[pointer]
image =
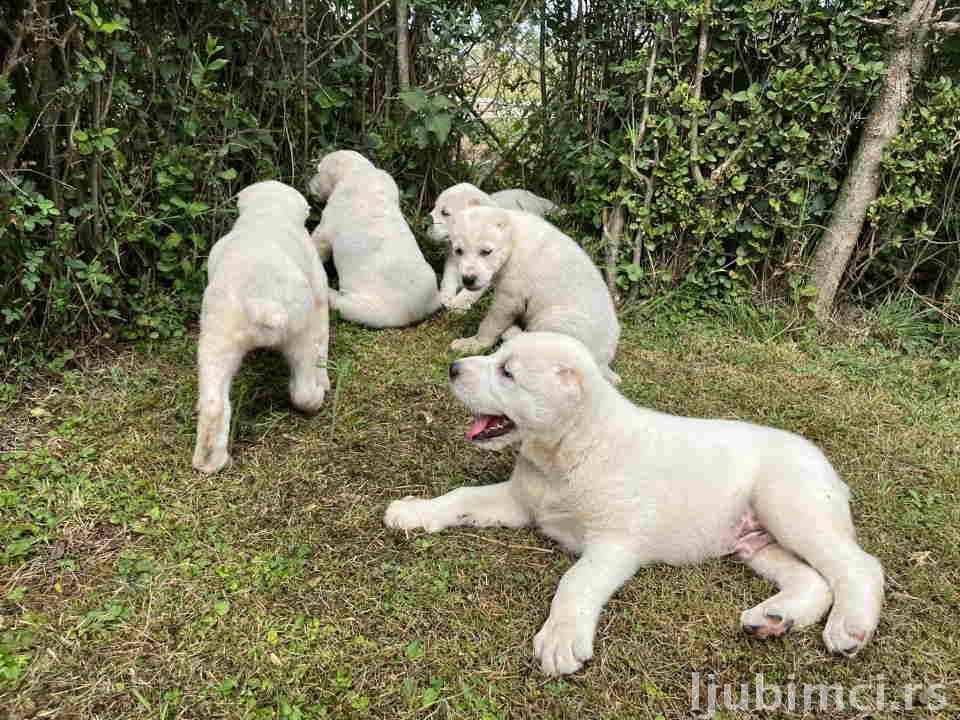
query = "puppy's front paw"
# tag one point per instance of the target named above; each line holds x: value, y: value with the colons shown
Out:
x: 459, y: 303
x: 467, y: 346
x: 563, y: 645
x: 413, y: 513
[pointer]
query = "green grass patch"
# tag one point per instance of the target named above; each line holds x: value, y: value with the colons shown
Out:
x: 131, y: 587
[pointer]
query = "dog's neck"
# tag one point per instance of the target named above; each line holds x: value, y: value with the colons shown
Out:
x: 559, y: 453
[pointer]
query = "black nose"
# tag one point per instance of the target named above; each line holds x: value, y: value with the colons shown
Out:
x: 469, y: 281
x: 454, y: 370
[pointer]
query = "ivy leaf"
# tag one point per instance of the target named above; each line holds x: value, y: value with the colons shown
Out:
x: 440, y: 125
x: 415, y: 99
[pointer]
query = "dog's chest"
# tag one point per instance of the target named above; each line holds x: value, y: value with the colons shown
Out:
x: 556, y: 511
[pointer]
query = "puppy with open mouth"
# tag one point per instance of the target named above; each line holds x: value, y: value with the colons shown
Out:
x: 623, y: 486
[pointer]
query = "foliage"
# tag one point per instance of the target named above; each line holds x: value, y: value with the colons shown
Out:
x: 125, y: 131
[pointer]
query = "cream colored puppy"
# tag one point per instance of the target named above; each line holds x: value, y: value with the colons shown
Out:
x: 456, y: 199
x: 266, y: 287
x: 623, y: 487
x: 518, y: 199
x: 542, y: 278
x: 384, y: 279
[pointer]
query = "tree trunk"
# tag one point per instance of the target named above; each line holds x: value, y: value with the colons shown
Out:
x: 613, y: 222
x: 403, y: 44
x: 908, y: 56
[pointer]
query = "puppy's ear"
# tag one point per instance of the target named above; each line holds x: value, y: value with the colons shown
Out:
x: 571, y: 380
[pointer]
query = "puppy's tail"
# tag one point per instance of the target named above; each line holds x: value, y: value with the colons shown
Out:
x: 269, y: 317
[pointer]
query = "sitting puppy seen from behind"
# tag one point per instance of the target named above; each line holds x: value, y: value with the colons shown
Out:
x: 266, y: 288
x: 456, y: 199
x: 623, y: 487
x: 542, y: 278
x: 384, y: 279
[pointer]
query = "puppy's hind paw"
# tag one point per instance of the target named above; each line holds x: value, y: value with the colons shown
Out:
x: 764, y: 623
x: 846, y: 636
x: 208, y: 464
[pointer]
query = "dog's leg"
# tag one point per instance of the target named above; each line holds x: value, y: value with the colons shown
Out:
x: 504, y: 309
x: 565, y: 641
x: 812, y: 520
x: 449, y: 284
x: 367, y: 310
x: 449, y: 297
x: 306, y: 354
x: 482, y: 506
x: 217, y: 366
x: 803, y: 599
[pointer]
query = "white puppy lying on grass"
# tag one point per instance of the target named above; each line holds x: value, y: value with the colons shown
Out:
x: 266, y: 287
x: 542, y: 278
x: 384, y: 279
x: 456, y: 199
x: 624, y: 487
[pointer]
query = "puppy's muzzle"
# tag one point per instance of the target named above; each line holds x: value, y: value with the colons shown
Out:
x: 469, y: 282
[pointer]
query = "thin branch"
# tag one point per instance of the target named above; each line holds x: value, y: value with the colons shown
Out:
x: 946, y: 27
x: 702, y: 45
x: 345, y: 35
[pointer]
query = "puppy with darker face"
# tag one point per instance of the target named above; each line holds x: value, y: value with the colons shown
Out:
x: 456, y: 199
x: 622, y: 487
x: 544, y: 282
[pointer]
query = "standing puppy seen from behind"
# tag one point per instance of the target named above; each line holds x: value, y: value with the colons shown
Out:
x: 622, y: 487
x: 266, y: 288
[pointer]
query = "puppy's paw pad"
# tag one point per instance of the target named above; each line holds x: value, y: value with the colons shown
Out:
x: 765, y: 623
x: 846, y: 636
x: 563, y: 646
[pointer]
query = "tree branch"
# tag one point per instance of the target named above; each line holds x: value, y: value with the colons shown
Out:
x: 946, y: 27
x: 702, y: 45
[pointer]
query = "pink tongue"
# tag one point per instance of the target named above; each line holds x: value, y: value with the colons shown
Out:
x: 479, y: 425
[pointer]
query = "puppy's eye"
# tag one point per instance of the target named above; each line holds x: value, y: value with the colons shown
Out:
x: 458, y: 251
x: 445, y: 212
x: 506, y: 373
x: 486, y: 251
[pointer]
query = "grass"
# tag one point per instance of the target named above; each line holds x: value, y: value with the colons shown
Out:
x: 131, y: 587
